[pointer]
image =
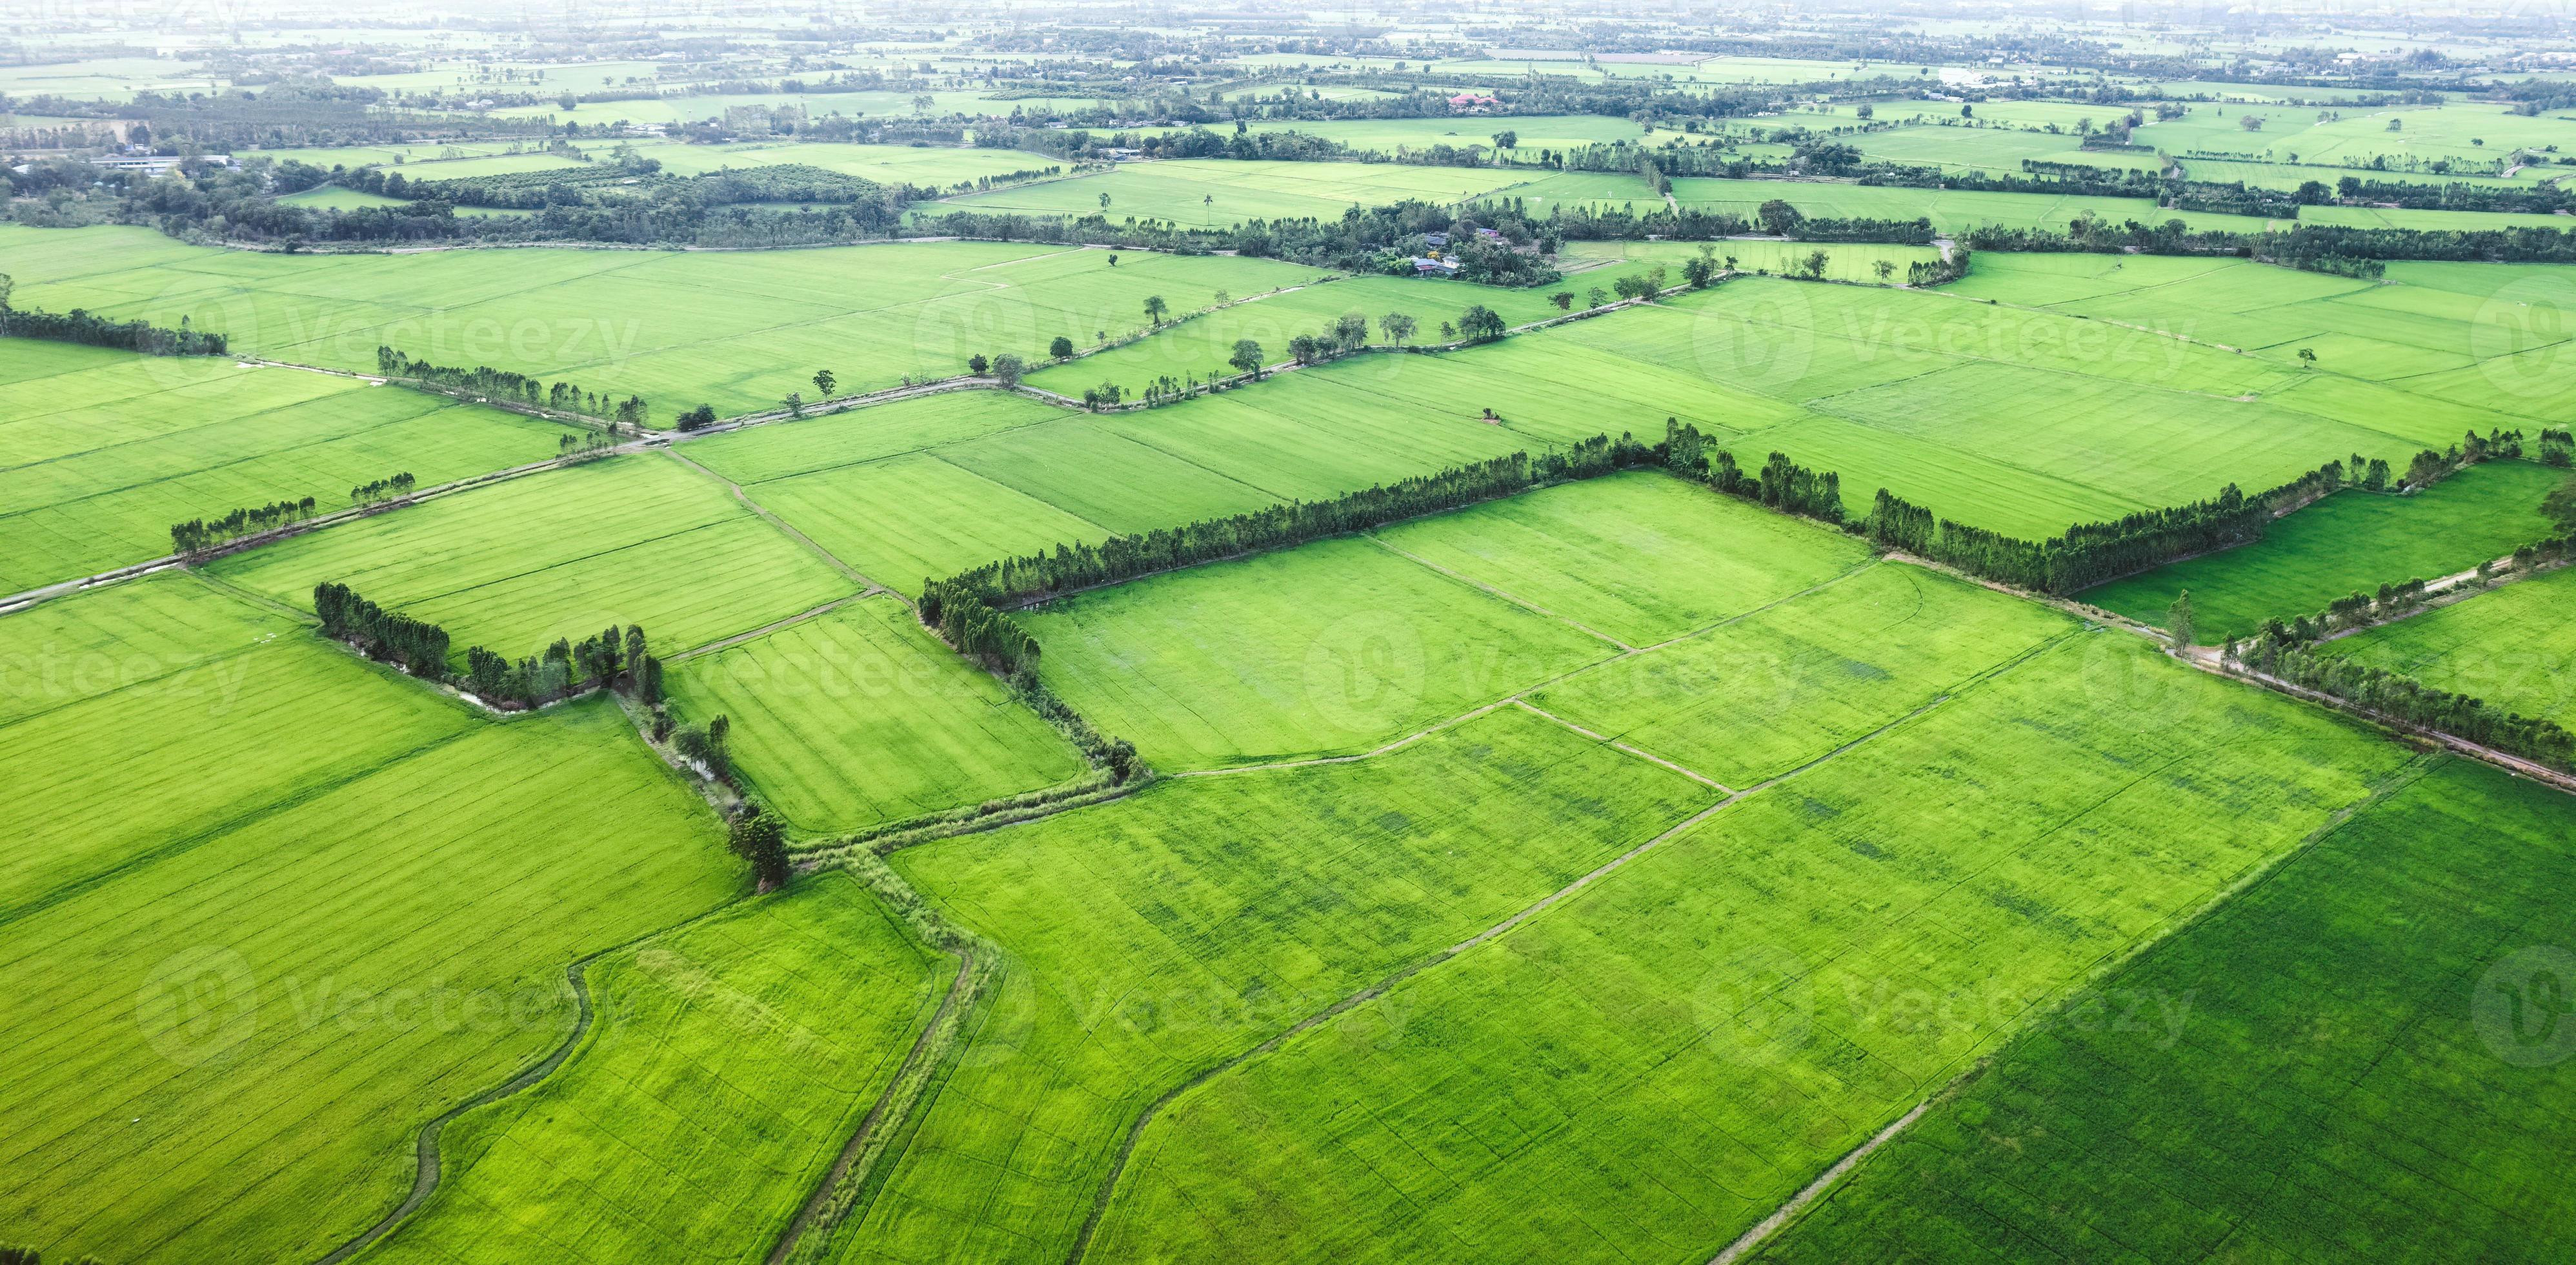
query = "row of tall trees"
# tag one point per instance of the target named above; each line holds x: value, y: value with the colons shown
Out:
x: 969, y: 608
x: 1781, y: 484
x: 198, y: 535
x: 82, y: 326
x: 375, y: 490
x: 505, y: 384
x: 420, y: 647
x: 2407, y: 700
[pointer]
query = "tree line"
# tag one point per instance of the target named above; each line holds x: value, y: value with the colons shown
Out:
x: 969, y: 609
x: 420, y: 647
x: 484, y: 380
x: 2407, y: 700
x: 89, y: 329
x: 198, y: 535
x: 2316, y: 247
x: 374, y: 490
x: 608, y: 659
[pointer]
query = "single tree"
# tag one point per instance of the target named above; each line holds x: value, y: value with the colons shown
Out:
x: 1246, y: 357
x: 1104, y: 205
x: 977, y: 365
x: 1885, y: 269
x: 1397, y: 326
x: 1007, y: 369
x: 1507, y: 139
x: 1155, y: 307
x: 1061, y: 348
x: 824, y: 381
x: 795, y: 403
x: 761, y: 838
x: 2178, y: 621
x: 1563, y: 299
x: 1597, y: 296
x: 1350, y: 330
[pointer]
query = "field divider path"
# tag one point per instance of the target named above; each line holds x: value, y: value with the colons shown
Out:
x: 866, y: 585
x: 426, y: 1175
x: 1136, y: 1132
x: 1607, y: 740
x: 736, y: 639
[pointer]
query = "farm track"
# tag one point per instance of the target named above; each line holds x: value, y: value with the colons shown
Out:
x: 1136, y: 1132
x: 866, y: 585
x: 426, y: 1175
x: 856, y: 1148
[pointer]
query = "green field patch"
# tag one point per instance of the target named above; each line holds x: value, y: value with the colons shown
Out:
x: 1762, y: 694
x: 1640, y: 557
x: 227, y: 1051
x: 2332, y: 1065
x: 777, y: 450
x: 736, y: 329
x: 1320, y: 432
x: 629, y: 540
x: 144, y: 717
x: 106, y: 450
x: 1210, y: 193
x: 2514, y: 647
x: 1332, y: 647
x: 729, y: 1061
x: 1647, y: 1069
x: 861, y: 716
x: 1565, y: 191
x: 2349, y: 542
x: 908, y: 518
x: 1950, y: 210
x: 1103, y: 476
x: 1147, y: 939
x: 927, y: 167
x: 1844, y: 261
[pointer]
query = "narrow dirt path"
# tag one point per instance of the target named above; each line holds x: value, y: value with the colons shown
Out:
x: 866, y: 585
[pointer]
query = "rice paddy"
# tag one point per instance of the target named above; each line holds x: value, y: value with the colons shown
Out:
x: 1197, y: 193
x: 2514, y: 647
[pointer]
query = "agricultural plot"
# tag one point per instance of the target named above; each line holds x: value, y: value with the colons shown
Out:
x: 889, y: 165
x: 638, y: 540
x: 229, y: 1044
x: 1546, y: 195
x: 1530, y: 132
x: 1785, y: 683
x: 2287, y: 177
x: 860, y: 716
x: 730, y: 1060
x: 1209, y: 193
x: 1648, y: 1068
x: 1950, y: 210
x: 2349, y: 542
x: 2430, y: 221
x: 1331, y: 648
x: 2399, y: 143
x: 2211, y: 1098
x: 107, y: 449
x: 736, y: 329
x: 1992, y: 150
x: 1149, y: 939
x: 1640, y: 557
x: 2514, y: 647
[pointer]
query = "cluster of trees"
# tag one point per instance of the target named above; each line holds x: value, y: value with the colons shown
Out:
x: 1781, y: 484
x: 420, y: 647
x: 2407, y: 700
x: 198, y: 535
x: 699, y: 418
x: 2557, y: 448
x: 610, y: 659
x: 640, y: 183
x: 2317, y: 247
x: 483, y: 380
x: 375, y: 490
x: 760, y: 837
x: 968, y: 609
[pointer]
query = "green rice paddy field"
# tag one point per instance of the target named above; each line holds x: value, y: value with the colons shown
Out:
x: 2352, y: 541
x: 1210, y: 192
x: 313, y: 907
x: 2327, y: 1066
x: 1582, y: 872
x: 1950, y: 210
x: 105, y: 450
x: 2515, y: 647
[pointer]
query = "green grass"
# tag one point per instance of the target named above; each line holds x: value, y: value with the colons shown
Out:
x: 733, y: 328
x: 107, y: 449
x: 1544, y: 195
x: 909, y: 518
x: 860, y: 716
x: 1152, y: 937
x: 1334, y: 647
x: 777, y: 450
x: 2514, y: 647
x: 1844, y: 261
x: 730, y: 1061
x: 226, y: 1045
x: 1650, y: 1067
x: 1641, y: 557
x: 627, y: 540
x: 2349, y: 542
x: 2258, y: 1111
x: 932, y: 167
x: 1988, y: 150
x: 1783, y: 684
x: 1214, y: 192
